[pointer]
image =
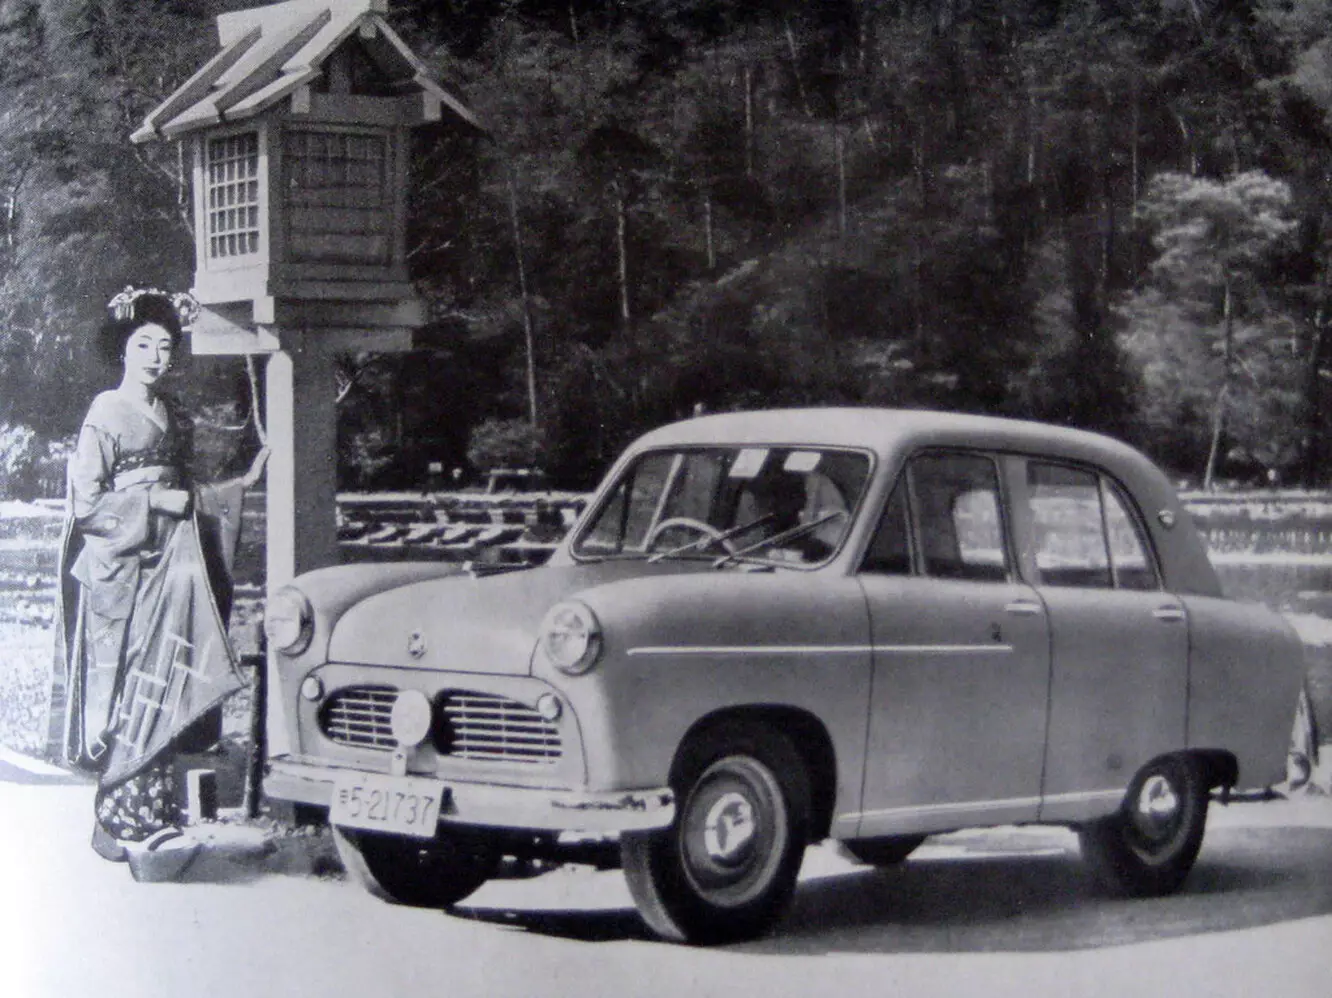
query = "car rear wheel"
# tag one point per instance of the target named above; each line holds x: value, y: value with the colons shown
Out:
x: 1149, y: 845
x: 886, y: 851
x: 434, y: 873
x: 726, y: 868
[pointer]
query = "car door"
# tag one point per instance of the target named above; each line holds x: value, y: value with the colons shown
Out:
x: 961, y: 661
x: 1119, y: 642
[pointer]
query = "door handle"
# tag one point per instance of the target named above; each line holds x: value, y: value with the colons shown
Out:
x: 1023, y: 608
x: 1168, y: 613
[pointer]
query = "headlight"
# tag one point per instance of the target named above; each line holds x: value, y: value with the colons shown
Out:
x: 289, y: 621
x: 571, y: 637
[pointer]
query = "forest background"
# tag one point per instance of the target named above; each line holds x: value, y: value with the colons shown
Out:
x: 1115, y: 214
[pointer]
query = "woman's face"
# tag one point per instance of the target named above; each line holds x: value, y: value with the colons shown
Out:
x: 148, y: 354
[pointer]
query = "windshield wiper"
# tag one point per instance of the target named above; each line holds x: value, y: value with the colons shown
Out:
x: 707, y: 540
x: 776, y: 540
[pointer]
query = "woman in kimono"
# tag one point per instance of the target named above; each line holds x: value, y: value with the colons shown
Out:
x: 142, y: 650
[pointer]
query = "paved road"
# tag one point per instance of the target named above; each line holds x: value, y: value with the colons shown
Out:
x: 1005, y: 912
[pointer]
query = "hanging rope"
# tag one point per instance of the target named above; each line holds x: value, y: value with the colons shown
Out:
x: 255, y: 411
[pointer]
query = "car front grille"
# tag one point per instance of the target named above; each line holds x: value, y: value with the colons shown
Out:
x: 486, y: 727
x: 359, y: 716
x: 468, y: 725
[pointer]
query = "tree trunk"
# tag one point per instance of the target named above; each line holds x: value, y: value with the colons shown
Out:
x: 1134, y: 181
x: 11, y: 220
x: 1033, y: 130
x: 622, y: 252
x: 1312, y: 444
x: 839, y: 149
x: 1222, y: 396
x: 12, y: 206
x: 918, y: 297
x: 1107, y: 243
x: 521, y: 259
x: 918, y: 165
x: 795, y: 69
x: 1218, y: 428
x: 1188, y: 143
x: 183, y: 189
x: 707, y: 226
x: 1313, y: 386
x: 749, y: 122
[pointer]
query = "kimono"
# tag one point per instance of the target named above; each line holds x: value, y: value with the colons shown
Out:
x: 141, y: 641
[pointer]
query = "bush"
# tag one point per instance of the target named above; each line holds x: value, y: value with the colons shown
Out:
x: 16, y: 458
x: 46, y: 474
x: 503, y: 443
x: 365, y: 457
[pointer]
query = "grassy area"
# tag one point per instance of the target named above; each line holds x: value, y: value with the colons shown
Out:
x: 24, y: 686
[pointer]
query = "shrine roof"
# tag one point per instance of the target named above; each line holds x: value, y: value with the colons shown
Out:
x: 270, y: 52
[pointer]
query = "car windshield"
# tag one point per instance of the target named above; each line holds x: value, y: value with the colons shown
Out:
x: 781, y: 505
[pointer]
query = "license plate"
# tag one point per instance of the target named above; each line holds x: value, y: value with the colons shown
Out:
x: 403, y: 804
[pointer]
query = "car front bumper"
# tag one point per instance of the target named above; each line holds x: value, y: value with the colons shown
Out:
x: 486, y: 804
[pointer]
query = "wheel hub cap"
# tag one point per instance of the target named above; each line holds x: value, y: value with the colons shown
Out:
x: 1157, y: 807
x: 728, y: 828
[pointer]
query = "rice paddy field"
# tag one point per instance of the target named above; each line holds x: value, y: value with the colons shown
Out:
x: 1274, y: 548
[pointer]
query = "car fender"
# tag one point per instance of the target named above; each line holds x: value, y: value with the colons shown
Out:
x: 1246, y: 670
x: 679, y: 649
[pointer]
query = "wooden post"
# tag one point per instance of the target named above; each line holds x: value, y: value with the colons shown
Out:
x: 302, y: 476
x: 257, y: 735
x: 302, y: 473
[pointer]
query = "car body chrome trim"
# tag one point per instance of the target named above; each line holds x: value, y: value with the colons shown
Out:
x: 1084, y: 797
x: 940, y: 810
x: 995, y: 647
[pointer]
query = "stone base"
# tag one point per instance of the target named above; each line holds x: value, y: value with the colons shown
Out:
x: 230, y: 851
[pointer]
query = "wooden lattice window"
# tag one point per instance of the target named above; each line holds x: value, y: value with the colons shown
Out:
x: 233, y: 195
x: 337, y: 198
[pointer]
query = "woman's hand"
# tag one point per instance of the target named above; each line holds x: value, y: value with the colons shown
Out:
x: 256, y: 468
x: 172, y: 502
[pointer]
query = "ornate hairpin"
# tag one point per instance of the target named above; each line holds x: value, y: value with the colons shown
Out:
x: 122, y: 305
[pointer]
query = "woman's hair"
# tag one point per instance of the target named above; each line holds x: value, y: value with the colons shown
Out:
x: 147, y: 309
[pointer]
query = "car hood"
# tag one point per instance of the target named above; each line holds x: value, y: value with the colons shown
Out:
x: 461, y: 623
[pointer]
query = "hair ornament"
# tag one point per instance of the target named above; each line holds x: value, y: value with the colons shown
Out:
x: 122, y: 306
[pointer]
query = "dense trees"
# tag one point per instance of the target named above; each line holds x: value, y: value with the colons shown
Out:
x: 1113, y: 213
x: 1237, y: 359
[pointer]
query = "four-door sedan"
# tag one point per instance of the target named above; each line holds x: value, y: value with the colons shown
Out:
x: 773, y: 628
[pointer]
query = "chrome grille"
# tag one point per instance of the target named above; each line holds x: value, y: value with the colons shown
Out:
x: 359, y: 716
x: 486, y: 727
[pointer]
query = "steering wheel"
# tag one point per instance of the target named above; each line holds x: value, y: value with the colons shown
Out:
x: 688, y: 523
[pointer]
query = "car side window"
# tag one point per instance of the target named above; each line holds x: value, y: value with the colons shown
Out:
x: 1085, y: 535
x: 1065, y: 505
x: 959, y: 524
x: 1130, y: 555
x: 890, y: 550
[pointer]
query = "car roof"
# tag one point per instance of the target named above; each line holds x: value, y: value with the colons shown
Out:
x: 884, y: 431
x: 892, y: 434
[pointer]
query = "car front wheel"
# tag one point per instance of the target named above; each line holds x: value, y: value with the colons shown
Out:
x: 1149, y: 845
x: 435, y: 873
x: 726, y: 868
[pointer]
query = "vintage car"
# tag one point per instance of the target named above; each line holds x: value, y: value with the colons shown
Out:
x: 773, y: 628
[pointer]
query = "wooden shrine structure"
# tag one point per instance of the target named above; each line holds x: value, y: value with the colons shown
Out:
x: 300, y: 136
